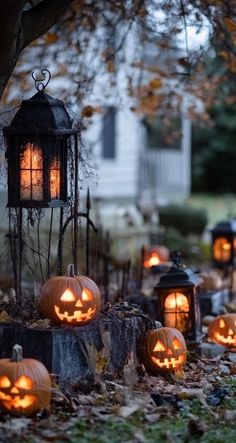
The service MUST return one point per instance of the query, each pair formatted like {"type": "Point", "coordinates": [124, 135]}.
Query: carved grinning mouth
{"type": "Point", "coordinates": [17, 401]}
{"type": "Point", "coordinates": [170, 363]}
{"type": "Point", "coordinates": [77, 316]}
{"type": "Point", "coordinates": [229, 340]}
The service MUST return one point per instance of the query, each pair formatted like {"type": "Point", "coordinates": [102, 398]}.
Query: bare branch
{"type": "Point", "coordinates": [40, 18]}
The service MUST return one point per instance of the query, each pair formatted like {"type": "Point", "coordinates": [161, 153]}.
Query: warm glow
{"type": "Point", "coordinates": [176, 344]}
{"type": "Point", "coordinates": [24, 382]}
{"type": "Point", "coordinates": [226, 340]}
{"type": "Point", "coordinates": [31, 173]}
{"type": "Point", "coordinates": [222, 323]}
{"type": "Point", "coordinates": [86, 295]}
{"type": "Point", "coordinates": [222, 249]}
{"type": "Point", "coordinates": [67, 296]}
{"type": "Point", "coordinates": [170, 363]}
{"type": "Point", "coordinates": [4, 382]}
{"type": "Point", "coordinates": [159, 346]}
{"type": "Point", "coordinates": [55, 179]}
{"type": "Point", "coordinates": [152, 261]}
{"type": "Point", "coordinates": [176, 311]}
{"type": "Point", "coordinates": [76, 317]}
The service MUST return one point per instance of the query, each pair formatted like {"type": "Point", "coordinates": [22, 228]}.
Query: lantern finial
{"type": "Point", "coordinates": [176, 258]}
{"type": "Point", "coordinates": [41, 83]}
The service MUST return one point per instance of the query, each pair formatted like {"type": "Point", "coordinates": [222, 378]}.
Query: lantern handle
{"type": "Point", "coordinates": [41, 83]}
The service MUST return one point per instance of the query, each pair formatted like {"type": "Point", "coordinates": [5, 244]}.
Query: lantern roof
{"type": "Point", "coordinates": [225, 227]}
{"type": "Point", "coordinates": [178, 276]}
{"type": "Point", "coordinates": [41, 114]}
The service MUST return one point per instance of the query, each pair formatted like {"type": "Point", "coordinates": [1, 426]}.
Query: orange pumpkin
{"type": "Point", "coordinates": [70, 299]}
{"type": "Point", "coordinates": [25, 384]}
{"type": "Point", "coordinates": [222, 330]}
{"type": "Point", "coordinates": [163, 350]}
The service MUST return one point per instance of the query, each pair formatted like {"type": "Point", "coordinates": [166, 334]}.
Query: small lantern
{"type": "Point", "coordinates": [224, 243]}
{"type": "Point", "coordinates": [37, 151]}
{"type": "Point", "coordinates": [177, 301]}
{"type": "Point", "coordinates": [155, 256]}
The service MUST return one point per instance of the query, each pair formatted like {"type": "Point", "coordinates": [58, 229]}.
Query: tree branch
{"type": "Point", "coordinates": [39, 19]}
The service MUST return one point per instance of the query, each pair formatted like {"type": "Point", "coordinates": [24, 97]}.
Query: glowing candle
{"type": "Point", "coordinates": [222, 249]}
{"type": "Point", "coordinates": [31, 173]}
{"type": "Point", "coordinates": [55, 179]}
{"type": "Point", "coordinates": [176, 311]}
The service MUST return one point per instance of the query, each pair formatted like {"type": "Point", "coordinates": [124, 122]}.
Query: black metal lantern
{"type": "Point", "coordinates": [177, 301]}
{"type": "Point", "coordinates": [37, 151]}
{"type": "Point", "coordinates": [224, 244]}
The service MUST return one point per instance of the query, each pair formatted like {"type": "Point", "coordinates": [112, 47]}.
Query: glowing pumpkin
{"type": "Point", "coordinates": [163, 350]}
{"type": "Point", "coordinates": [222, 330]}
{"type": "Point", "coordinates": [24, 384]}
{"type": "Point", "coordinates": [155, 256]}
{"type": "Point", "coordinates": [70, 299]}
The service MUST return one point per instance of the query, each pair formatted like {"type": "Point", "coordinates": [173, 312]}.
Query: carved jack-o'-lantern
{"type": "Point", "coordinates": [222, 330]}
{"type": "Point", "coordinates": [24, 384]}
{"type": "Point", "coordinates": [163, 350]}
{"type": "Point", "coordinates": [70, 299]}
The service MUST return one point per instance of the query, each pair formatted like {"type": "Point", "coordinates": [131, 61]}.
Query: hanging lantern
{"type": "Point", "coordinates": [37, 151]}
{"type": "Point", "coordinates": [224, 243]}
{"type": "Point", "coordinates": [177, 301]}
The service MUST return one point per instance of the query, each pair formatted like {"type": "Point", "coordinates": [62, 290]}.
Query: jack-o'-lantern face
{"type": "Point", "coordinates": [165, 350]}
{"type": "Point", "coordinates": [223, 330]}
{"type": "Point", "coordinates": [16, 396]}
{"type": "Point", "coordinates": [72, 309]}
{"type": "Point", "coordinates": [70, 299]}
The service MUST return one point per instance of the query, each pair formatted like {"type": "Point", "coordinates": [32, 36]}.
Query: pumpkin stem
{"type": "Point", "coordinates": [70, 272]}
{"type": "Point", "coordinates": [16, 353]}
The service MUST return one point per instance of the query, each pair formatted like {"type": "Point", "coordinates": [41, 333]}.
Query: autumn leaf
{"type": "Point", "coordinates": [155, 83]}
{"type": "Point", "coordinates": [230, 24]}
{"type": "Point", "coordinates": [87, 111]}
{"type": "Point", "coordinates": [51, 37]}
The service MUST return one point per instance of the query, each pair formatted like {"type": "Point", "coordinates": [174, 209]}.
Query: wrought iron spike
{"type": "Point", "coordinates": [88, 201]}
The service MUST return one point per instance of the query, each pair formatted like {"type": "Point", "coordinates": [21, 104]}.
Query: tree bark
{"type": "Point", "coordinates": [19, 27]}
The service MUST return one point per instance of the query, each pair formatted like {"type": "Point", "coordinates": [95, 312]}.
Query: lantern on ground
{"type": "Point", "coordinates": [178, 302]}
{"type": "Point", "coordinates": [224, 244]}
{"type": "Point", "coordinates": [155, 256]}
{"type": "Point", "coordinates": [37, 151]}
{"type": "Point", "coordinates": [25, 384]}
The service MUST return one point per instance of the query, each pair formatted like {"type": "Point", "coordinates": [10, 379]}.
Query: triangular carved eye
{"type": "Point", "coordinates": [222, 323]}
{"type": "Point", "coordinates": [159, 346]}
{"type": "Point", "coordinates": [24, 382]}
{"type": "Point", "coordinates": [176, 344]}
{"type": "Point", "coordinates": [67, 296]}
{"type": "Point", "coordinates": [87, 295]}
{"type": "Point", "coordinates": [4, 382]}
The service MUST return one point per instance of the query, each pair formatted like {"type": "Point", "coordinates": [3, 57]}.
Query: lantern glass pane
{"type": "Point", "coordinates": [31, 172]}
{"type": "Point", "coordinates": [222, 249]}
{"type": "Point", "coordinates": [176, 311]}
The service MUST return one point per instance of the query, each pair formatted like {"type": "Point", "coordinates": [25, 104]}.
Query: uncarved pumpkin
{"type": "Point", "coordinates": [25, 384]}
{"type": "Point", "coordinates": [163, 350]}
{"type": "Point", "coordinates": [70, 299]}
{"type": "Point", "coordinates": [222, 330]}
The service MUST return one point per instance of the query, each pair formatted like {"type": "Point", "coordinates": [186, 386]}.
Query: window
{"type": "Point", "coordinates": [108, 133]}
{"type": "Point", "coordinates": [164, 133]}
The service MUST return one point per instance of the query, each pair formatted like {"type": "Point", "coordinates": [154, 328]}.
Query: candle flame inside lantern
{"type": "Point", "coordinates": [31, 173]}
{"type": "Point", "coordinates": [176, 311]}
{"type": "Point", "coordinates": [152, 261]}
{"type": "Point", "coordinates": [222, 249]}
{"type": "Point", "coordinates": [55, 179]}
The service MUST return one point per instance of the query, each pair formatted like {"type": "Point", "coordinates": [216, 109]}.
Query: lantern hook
{"type": "Point", "coordinates": [41, 82]}
{"type": "Point", "coordinates": [176, 258]}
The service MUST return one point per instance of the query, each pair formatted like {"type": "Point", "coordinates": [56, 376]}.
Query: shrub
{"type": "Point", "coordinates": [183, 218]}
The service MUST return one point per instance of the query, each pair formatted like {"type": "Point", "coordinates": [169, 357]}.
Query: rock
{"type": "Point", "coordinates": [207, 320]}
{"type": "Point", "coordinates": [210, 350]}
{"type": "Point", "coordinates": [225, 370]}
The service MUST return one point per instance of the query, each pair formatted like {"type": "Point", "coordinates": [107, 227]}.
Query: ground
{"type": "Point", "coordinates": [197, 405]}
